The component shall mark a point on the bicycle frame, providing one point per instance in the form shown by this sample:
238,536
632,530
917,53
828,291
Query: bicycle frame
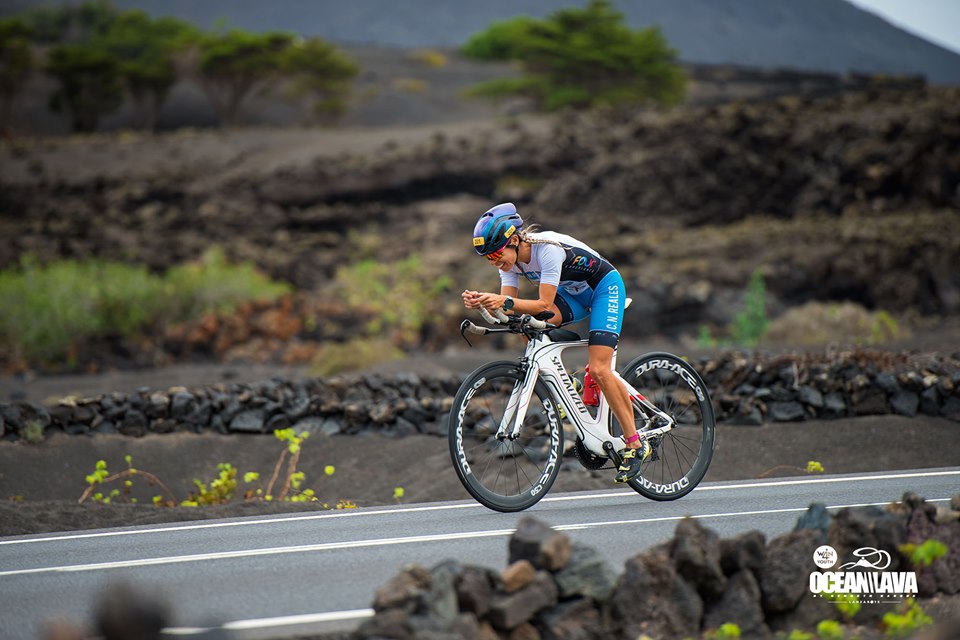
542,360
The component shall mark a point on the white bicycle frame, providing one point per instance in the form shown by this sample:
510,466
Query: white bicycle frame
543,358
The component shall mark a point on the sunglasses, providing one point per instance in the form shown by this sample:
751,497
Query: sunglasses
495,256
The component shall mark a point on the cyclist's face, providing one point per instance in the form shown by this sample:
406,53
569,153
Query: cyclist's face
504,259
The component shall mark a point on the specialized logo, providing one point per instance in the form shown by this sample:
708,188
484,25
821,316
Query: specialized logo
568,383
865,578
685,375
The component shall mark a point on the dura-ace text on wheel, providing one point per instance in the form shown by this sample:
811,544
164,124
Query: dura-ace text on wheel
502,468
682,455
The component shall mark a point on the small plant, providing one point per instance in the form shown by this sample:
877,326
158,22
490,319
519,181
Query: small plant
32,432
101,477
848,605
923,555
398,494
830,630
726,631
429,57
749,326
797,634
812,467
910,618
220,490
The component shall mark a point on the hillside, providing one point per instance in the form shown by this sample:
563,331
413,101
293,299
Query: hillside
844,197
820,35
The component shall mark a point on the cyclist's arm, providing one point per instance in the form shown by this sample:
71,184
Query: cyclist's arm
548,293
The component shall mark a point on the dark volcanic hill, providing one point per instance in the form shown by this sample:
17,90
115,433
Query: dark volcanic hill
818,35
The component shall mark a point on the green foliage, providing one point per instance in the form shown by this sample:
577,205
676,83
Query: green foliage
817,323
354,354
400,295
220,490
320,73
726,631
750,325
797,634
90,80
32,432
581,58
292,439
76,22
847,604
923,555
429,57
146,50
235,63
16,63
50,309
814,467
830,630
903,623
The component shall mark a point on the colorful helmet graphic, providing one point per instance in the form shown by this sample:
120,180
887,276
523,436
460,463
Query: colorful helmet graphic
495,227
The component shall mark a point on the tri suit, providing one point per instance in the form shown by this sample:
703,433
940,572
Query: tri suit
587,284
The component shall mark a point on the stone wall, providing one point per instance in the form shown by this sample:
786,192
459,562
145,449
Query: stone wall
687,587
746,389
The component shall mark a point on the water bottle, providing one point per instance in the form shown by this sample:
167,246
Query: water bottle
591,394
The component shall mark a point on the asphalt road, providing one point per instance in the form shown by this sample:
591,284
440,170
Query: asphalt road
267,577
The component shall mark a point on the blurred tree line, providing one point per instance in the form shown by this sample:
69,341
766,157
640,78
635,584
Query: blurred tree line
100,56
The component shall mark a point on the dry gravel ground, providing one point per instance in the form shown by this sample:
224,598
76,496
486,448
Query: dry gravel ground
40,484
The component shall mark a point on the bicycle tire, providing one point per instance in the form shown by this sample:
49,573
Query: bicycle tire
489,468
682,456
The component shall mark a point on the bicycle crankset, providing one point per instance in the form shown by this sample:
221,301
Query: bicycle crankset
587,458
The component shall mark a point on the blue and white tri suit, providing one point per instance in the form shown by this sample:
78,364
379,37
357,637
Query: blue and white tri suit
587,284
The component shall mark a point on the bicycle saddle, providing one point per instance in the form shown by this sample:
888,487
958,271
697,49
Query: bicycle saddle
563,335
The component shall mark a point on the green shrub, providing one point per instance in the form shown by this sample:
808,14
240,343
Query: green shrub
923,555
581,57
359,353
904,623
401,295
750,325
830,630
50,309
816,323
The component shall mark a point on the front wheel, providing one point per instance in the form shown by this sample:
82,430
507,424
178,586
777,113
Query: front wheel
500,473
682,455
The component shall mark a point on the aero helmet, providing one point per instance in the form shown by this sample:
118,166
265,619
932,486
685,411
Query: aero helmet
495,227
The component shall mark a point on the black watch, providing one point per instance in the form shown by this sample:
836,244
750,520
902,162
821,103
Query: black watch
508,304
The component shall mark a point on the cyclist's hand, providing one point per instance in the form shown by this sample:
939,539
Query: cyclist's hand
490,301
470,299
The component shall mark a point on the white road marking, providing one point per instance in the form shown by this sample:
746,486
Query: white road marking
356,544
279,621
465,505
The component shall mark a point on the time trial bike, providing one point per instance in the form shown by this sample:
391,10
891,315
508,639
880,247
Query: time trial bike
506,431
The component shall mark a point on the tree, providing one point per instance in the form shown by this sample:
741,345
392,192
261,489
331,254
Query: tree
70,23
233,64
90,83
16,63
581,58
146,50
321,73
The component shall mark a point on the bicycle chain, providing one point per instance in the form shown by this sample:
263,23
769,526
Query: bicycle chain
588,459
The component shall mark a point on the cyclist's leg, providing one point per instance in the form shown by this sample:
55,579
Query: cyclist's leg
567,309
606,321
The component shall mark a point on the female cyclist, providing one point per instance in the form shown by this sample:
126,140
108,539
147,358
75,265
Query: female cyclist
574,282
